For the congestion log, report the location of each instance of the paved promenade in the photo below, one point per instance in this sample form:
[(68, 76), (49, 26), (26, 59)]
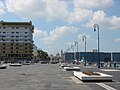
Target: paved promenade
[(51, 77)]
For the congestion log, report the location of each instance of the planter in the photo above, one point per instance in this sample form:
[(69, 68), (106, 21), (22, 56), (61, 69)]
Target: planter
[(72, 68), (65, 65), (3, 66), (16, 64), (93, 76)]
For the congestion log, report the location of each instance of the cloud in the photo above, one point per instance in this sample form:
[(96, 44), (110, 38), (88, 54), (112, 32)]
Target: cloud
[(88, 37), (57, 33), (117, 39), (2, 8), (109, 22), (69, 43), (79, 15), (82, 11), (37, 8), (40, 34), (92, 4)]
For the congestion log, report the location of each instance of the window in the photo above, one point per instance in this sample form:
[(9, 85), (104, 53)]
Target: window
[(12, 32), (17, 32), (4, 27), (11, 51), (11, 47), (17, 36), (16, 51), (25, 47), (25, 27), (25, 36), (3, 43), (3, 47), (17, 27), (4, 32), (16, 47), (12, 40), (13, 27), (17, 43), (25, 44), (3, 51), (12, 36), (26, 32)]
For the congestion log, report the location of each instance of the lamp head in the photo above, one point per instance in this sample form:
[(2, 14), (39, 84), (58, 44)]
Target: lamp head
[(94, 29)]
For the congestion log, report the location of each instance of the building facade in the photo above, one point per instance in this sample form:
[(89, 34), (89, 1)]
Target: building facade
[(16, 41)]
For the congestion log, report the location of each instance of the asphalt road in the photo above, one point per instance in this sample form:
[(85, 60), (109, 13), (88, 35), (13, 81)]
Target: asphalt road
[(50, 77)]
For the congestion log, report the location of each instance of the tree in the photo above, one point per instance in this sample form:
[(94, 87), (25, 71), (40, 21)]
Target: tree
[(42, 55)]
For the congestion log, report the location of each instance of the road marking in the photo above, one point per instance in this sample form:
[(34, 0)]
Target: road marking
[(76, 80), (106, 86)]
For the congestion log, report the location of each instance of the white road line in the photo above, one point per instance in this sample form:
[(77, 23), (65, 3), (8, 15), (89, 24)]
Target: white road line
[(76, 80), (106, 86)]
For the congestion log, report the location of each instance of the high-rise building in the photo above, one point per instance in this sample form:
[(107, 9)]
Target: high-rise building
[(16, 41)]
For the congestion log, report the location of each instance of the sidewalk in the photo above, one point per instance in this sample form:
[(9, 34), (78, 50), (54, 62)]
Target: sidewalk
[(43, 77)]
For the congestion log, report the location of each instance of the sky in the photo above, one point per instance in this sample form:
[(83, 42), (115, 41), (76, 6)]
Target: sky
[(60, 23)]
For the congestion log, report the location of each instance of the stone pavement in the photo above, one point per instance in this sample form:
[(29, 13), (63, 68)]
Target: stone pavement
[(46, 77)]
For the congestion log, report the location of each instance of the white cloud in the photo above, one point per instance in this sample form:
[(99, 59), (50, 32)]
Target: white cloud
[(92, 4), (57, 33), (117, 40), (40, 34), (79, 15), (69, 43), (37, 8), (88, 37), (2, 8), (109, 22)]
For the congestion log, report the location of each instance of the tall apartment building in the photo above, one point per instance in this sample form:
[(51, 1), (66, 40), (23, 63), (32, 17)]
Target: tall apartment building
[(16, 41)]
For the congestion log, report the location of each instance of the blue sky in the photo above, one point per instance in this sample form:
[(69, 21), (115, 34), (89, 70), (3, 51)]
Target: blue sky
[(59, 23)]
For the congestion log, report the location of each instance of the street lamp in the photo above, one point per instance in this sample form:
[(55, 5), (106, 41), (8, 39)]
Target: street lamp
[(76, 44), (96, 27), (72, 47), (84, 39)]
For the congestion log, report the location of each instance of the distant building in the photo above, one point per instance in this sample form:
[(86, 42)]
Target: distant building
[(16, 41), (116, 56), (92, 56)]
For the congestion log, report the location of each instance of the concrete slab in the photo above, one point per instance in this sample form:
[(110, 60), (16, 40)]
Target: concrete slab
[(110, 70), (65, 65), (101, 77), (16, 64), (72, 68), (3, 66)]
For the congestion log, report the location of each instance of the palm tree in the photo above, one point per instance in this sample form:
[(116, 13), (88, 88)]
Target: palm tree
[(42, 55)]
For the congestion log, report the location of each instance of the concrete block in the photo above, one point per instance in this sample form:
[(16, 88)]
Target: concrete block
[(101, 77)]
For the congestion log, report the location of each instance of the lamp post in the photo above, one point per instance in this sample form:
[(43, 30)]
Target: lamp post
[(76, 44), (72, 47), (96, 27), (84, 39)]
